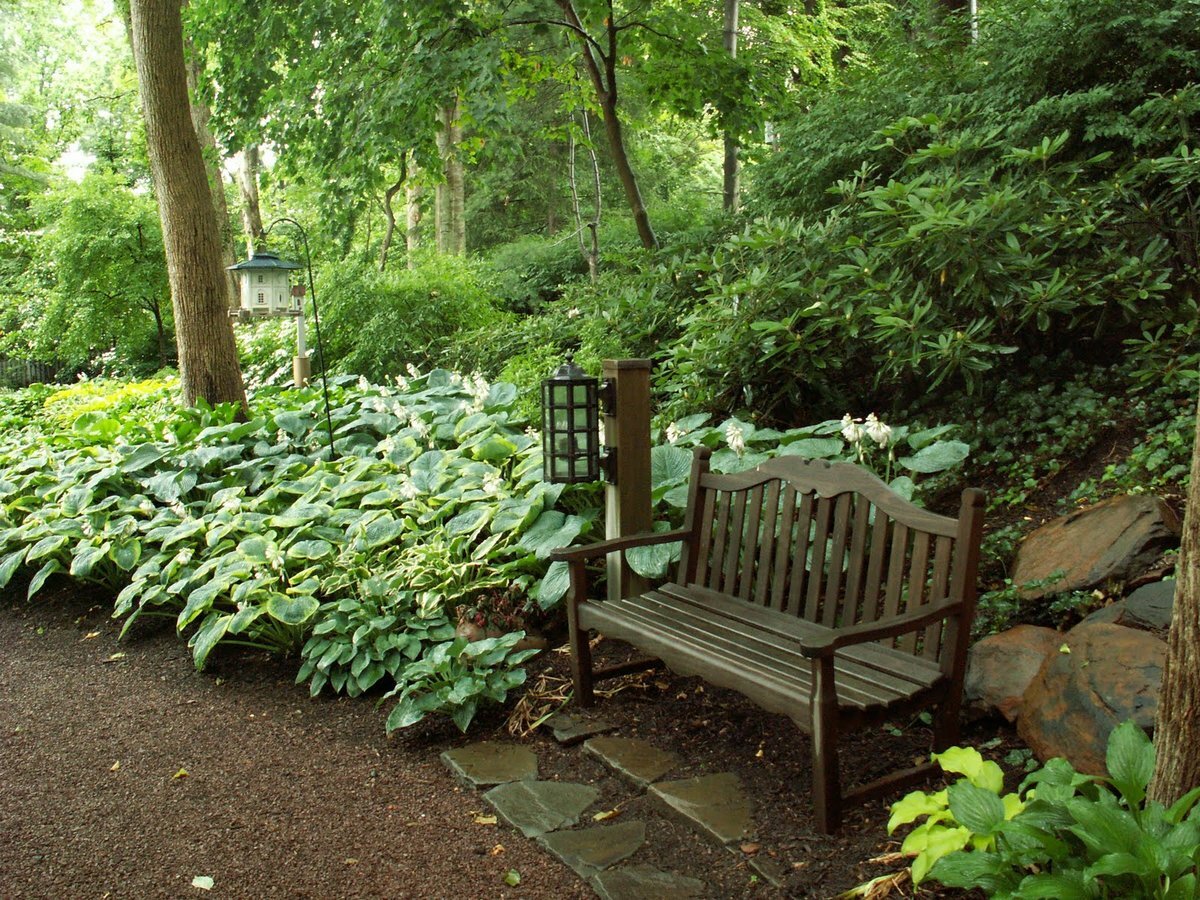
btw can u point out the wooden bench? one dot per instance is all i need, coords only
(812, 589)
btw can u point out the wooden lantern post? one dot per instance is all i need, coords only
(627, 493)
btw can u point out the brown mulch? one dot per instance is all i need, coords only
(293, 797)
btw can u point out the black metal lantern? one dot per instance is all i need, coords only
(570, 425)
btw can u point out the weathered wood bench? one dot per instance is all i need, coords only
(812, 589)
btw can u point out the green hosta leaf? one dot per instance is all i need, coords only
(45, 547)
(552, 530)
(1130, 761)
(938, 841)
(142, 457)
(207, 637)
(553, 587)
(293, 423)
(963, 869)
(463, 714)
(976, 808)
(922, 439)
(76, 501)
(182, 531)
(669, 466)
(86, 557)
(403, 714)
(969, 762)
(243, 618)
(310, 550)
(469, 521)
(914, 805)
(1185, 888)
(493, 449)
(126, 554)
(383, 530)
(170, 486)
(258, 550)
(40, 578)
(10, 564)
(1103, 825)
(814, 448)
(198, 602)
(500, 396)
(301, 514)
(515, 513)
(292, 610)
(1068, 885)
(936, 457)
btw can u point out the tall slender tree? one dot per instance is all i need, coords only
(208, 360)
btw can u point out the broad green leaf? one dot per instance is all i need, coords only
(383, 530)
(965, 869)
(936, 457)
(814, 448)
(914, 805)
(40, 578)
(310, 550)
(1130, 761)
(1068, 885)
(86, 557)
(209, 635)
(553, 587)
(292, 610)
(493, 449)
(515, 512)
(45, 547)
(11, 563)
(469, 521)
(977, 808)
(669, 466)
(552, 530)
(126, 555)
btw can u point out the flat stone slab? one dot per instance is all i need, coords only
(644, 883)
(570, 731)
(771, 870)
(535, 807)
(488, 763)
(639, 761)
(713, 805)
(590, 851)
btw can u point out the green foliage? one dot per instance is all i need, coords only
(375, 324)
(1070, 836)
(246, 533)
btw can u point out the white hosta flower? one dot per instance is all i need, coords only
(413, 371)
(363, 384)
(493, 483)
(852, 431)
(878, 432)
(418, 425)
(402, 382)
(735, 437)
(386, 446)
(573, 312)
(673, 433)
(408, 491)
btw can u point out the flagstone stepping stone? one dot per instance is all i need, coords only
(771, 870)
(570, 731)
(590, 851)
(639, 761)
(487, 763)
(644, 883)
(535, 807)
(713, 805)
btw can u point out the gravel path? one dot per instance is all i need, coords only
(282, 797)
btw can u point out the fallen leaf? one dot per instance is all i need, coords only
(115, 657)
(497, 850)
(220, 681)
(115, 766)
(485, 820)
(91, 634)
(182, 773)
(750, 848)
(1065, 648)
(351, 861)
(662, 685)
(607, 814)
(203, 882)
(512, 877)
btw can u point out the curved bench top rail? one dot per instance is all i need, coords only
(828, 480)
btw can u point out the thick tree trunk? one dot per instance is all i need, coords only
(412, 234)
(604, 82)
(457, 182)
(208, 361)
(449, 199)
(201, 115)
(1177, 727)
(729, 187)
(251, 209)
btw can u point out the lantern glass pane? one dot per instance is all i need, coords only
(561, 395)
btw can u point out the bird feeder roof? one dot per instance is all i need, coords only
(264, 261)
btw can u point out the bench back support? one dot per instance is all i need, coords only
(832, 544)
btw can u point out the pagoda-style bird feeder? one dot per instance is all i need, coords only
(265, 279)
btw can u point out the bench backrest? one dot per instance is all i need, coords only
(832, 544)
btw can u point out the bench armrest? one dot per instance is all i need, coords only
(603, 548)
(893, 626)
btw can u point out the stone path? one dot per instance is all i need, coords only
(605, 855)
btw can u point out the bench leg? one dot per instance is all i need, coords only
(581, 653)
(946, 725)
(827, 790)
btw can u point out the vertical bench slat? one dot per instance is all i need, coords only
(895, 573)
(733, 549)
(918, 573)
(751, 542)
(704, 542)
(879, 544)
(799, 557)
(719, 540)
(783, 547)
(816, 568)
(854, 565)
(766, 551)
(837, 563)
(943, 549)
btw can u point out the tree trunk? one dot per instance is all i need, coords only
(729, 187)
(604, 82)
(1177, 726)
(201, 115)
(412, 234)
(441, 193)
(251, 209)
(390, 215)
(449, 200)
(208, 362)
(457, 182)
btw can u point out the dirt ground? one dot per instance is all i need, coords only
(125, 773)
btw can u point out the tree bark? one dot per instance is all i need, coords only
(729, 186)
(389, 214)
(1177, 725)
(412, 235)
(603, 75)
(201, 115)
(252, 223)
(208, 362)
(449, 199)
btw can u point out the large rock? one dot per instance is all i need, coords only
(1105, 675)
(1148, 608)
(1110, 542)
(1001, 666)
